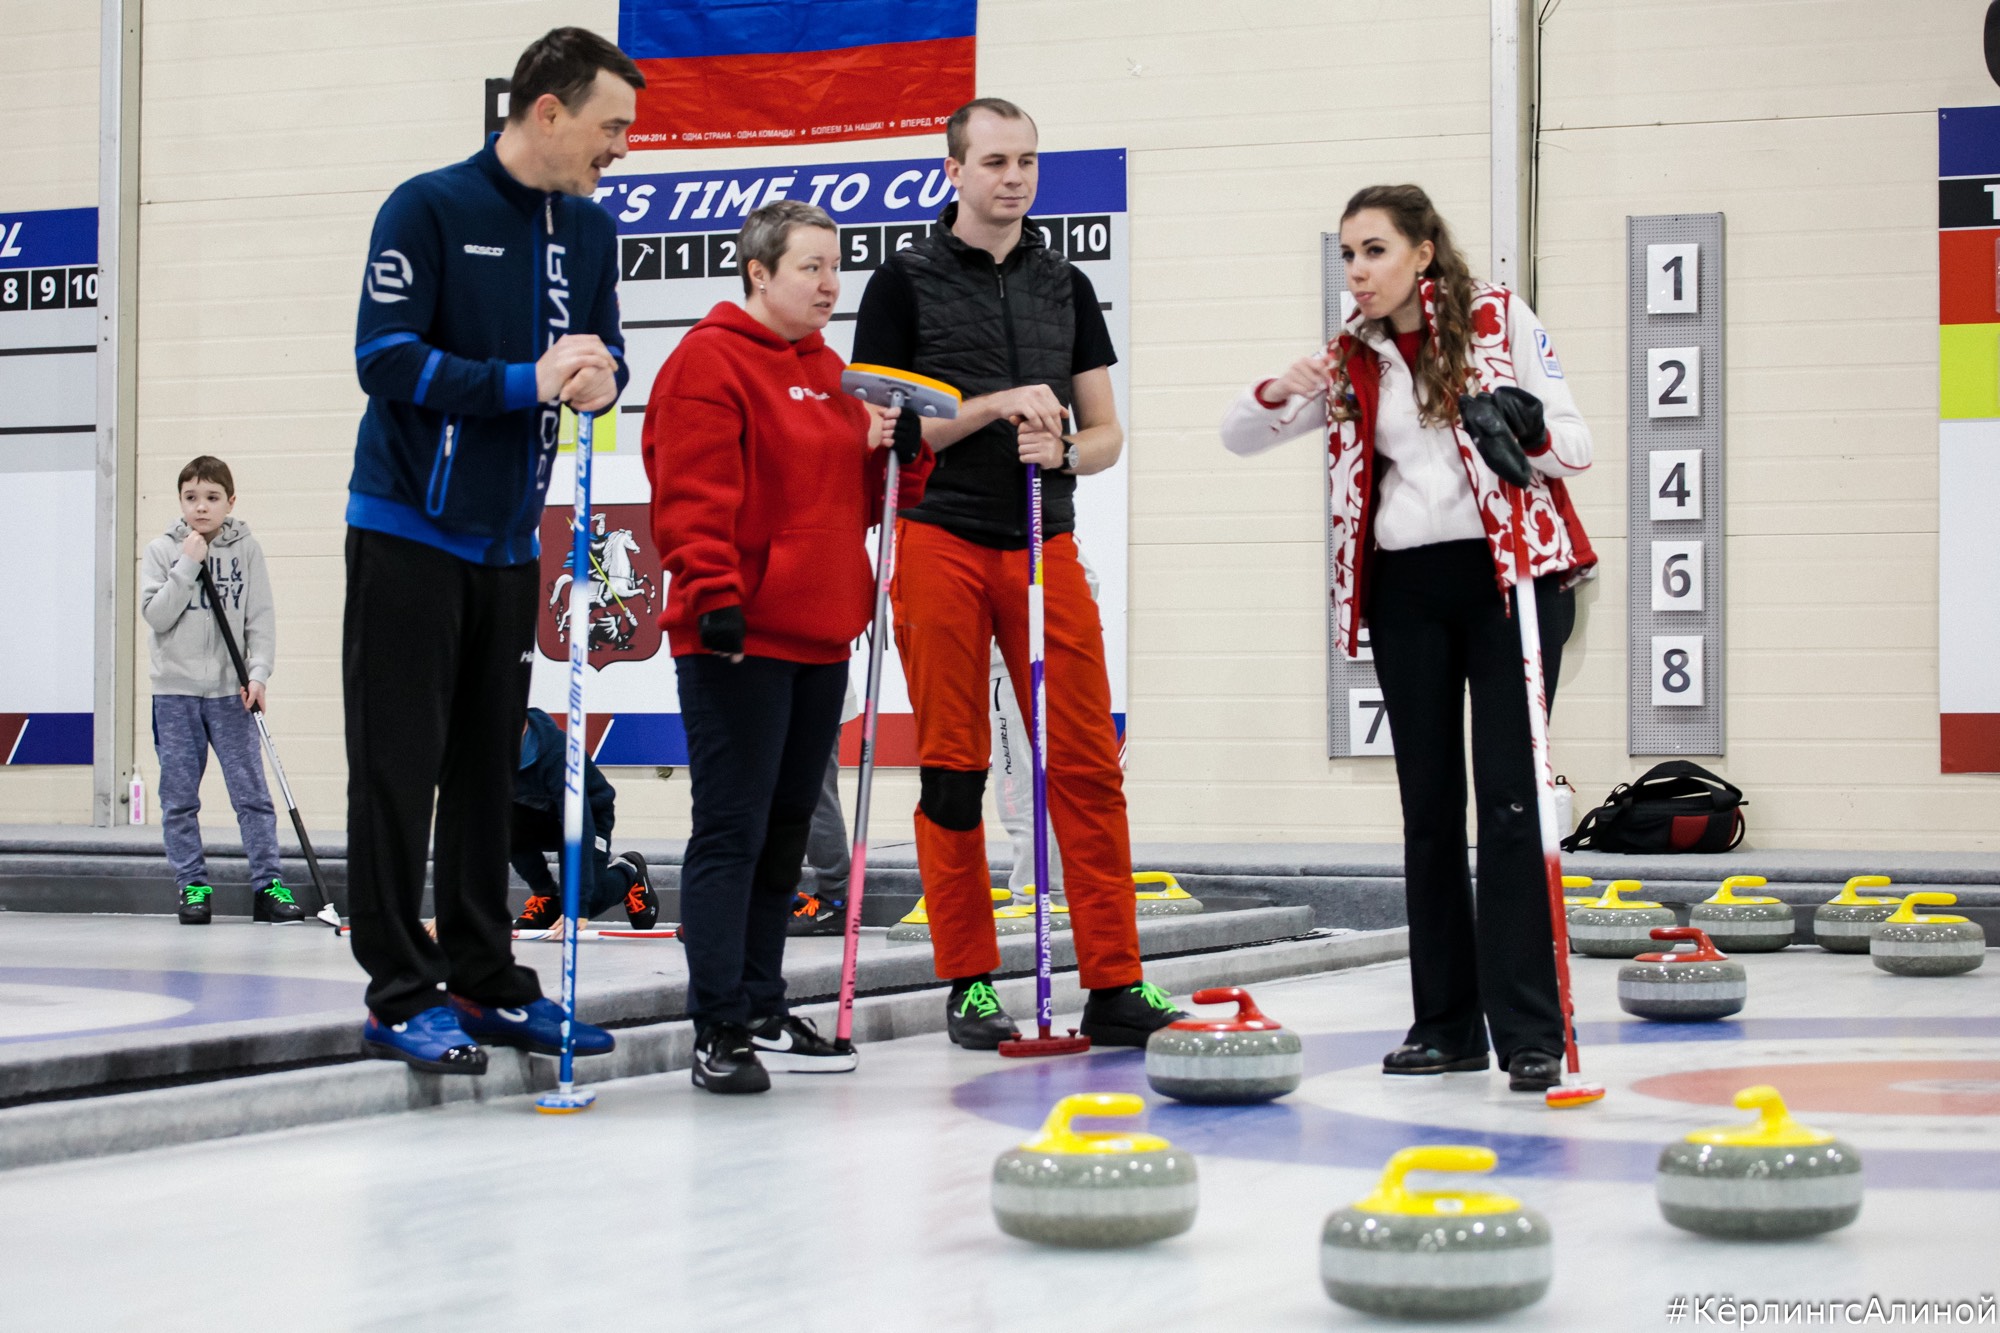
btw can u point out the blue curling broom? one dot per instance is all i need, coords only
(567, 1096)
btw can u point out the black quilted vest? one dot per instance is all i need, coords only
(983, 327)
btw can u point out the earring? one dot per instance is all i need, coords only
(760, 287)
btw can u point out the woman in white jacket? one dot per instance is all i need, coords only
(1438, 390)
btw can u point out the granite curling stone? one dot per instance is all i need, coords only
(1157, 893)
(1612, 927)
(1093, 1190)
(1912, 944)
(1772, 1180)
(1744, 925)
(1841, 923)
(1687, 987)
(1245, 1057)
(1443, 1255)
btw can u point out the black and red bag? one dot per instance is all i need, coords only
(1674, 807)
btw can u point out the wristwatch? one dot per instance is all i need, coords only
(1072, 456)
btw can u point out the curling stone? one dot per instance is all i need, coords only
(1744, 925)
(915, 928)
(1841, 923)
(1768, 1181)
(1577, 882)
(1911, 944)
(1156, 893)
(1094, 1191)
(1612, 927)
(1688, 987)
(1444, 1255)
(1245, 1057)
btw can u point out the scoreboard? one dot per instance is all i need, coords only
(48, 451)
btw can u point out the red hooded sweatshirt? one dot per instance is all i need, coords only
(764, 490)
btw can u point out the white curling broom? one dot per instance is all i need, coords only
(1527, 616)
(567, 1097)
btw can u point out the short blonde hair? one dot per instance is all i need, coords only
(767, 233)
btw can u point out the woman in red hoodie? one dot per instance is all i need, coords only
(766, 479)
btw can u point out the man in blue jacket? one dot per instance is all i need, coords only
(489, 301)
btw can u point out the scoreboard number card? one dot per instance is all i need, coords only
(1673, 484)
(1368, 722)
(1677, 576)
(1673, 382)
(1673, 279)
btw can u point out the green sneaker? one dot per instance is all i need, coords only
(274, 903)
(973, 1017)
(194, 910)
(1127, 1015)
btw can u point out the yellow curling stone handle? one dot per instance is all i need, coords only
(1577, 882)
(1848, 898)
(1392, 1195)
(1727, 893)
(1618, 886)
(1774, 1127)
(1058, 1137)
(1168, 885)
(1908, 913)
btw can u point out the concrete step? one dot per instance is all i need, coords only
(188, 1112)
(95, 1066)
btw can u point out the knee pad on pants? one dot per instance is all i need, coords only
(953, 798)
(783, 858)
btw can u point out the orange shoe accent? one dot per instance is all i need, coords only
(635, 900)
(808, 906)
(536, 903)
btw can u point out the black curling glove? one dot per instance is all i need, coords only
(907, 437)
(722, 630)
(1524, 413)
(1487, 423)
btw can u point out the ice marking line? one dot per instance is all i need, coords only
(1292, 1130)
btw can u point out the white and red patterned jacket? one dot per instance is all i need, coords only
(1509, 346)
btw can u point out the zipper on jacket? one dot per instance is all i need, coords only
(447, 450)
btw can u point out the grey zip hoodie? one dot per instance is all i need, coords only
(189, 656)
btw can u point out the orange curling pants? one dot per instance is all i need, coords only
(953, 599)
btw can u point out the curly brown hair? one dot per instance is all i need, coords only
(1445, 364)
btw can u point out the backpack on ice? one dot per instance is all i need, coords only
(1674, 807)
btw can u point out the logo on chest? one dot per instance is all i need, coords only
(801, 394)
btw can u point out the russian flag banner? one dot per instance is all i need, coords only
(733, 72)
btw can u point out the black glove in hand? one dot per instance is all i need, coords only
(1524, 413)
(907, 437)
(1487, 423)
(722, 631)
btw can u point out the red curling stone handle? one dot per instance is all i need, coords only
(1704, 950)
(1248, 1017)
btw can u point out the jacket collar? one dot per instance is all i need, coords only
(524, 197)
(733, 317)
(1031, 238)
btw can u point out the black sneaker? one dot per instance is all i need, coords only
(725, 1061)
(1126, 1015)
(542, 912)
(194, 910)
(1416, 1058)
(814, 915)
(274, 903)
(642, 905)
(1533, 1071)
(792, 1045)
(973, 1017)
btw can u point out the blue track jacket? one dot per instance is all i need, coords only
(471, 277)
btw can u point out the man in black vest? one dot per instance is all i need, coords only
(983, 305)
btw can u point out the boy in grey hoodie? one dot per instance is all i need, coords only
(198, 701)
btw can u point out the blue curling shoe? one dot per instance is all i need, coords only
(432, 1041)
(536, 1028)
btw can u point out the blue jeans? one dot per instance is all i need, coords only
(184, 729)
(758, 735)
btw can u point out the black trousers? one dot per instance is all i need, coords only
(1439, 626)
(758, 733)
(537, 831)
(434, 671)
